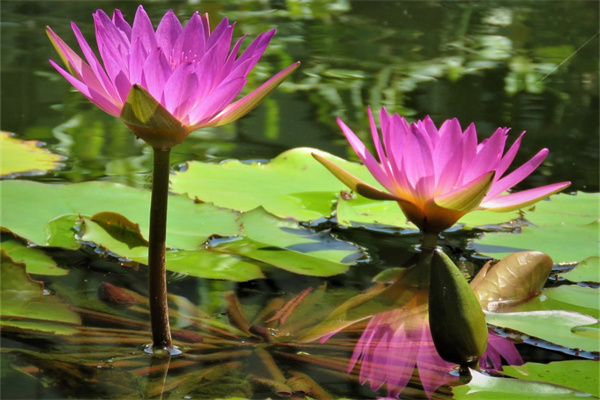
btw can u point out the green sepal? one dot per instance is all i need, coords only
(150, 121)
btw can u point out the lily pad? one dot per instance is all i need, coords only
(577, 374)
(565, 228)
(202, 263)
(484, 387)
(25, 307)
(25, 157)
(555, 326)
(292, 185)
(188, 226)
(586, 271)
(37, 262)
(288, 246)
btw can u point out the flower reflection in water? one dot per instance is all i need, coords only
(395, 342)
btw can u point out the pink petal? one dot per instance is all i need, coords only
(113, 46)
(96, 97)
(142, 30)
(100, 75)
(366, 157)
(216, 101)
(508, 157)
(514, 201)
(137, 60)
(241, 107)
(156, 72)
(190, 44)
(167, 32)
(517, 175)
(488, 156)
(180, 90)
(121, 24)
(448, 156)
(256, 49)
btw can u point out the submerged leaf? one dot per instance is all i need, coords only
(36, 261)
(23, 303)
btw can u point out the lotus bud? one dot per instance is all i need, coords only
(457, 322)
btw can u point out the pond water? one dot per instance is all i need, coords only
(528, 65)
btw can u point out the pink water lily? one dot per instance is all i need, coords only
(167, 82)
(439, 175)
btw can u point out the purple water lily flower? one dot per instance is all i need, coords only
(439, 175)
(167, 82)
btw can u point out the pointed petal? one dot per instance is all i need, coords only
(354, 183)
(216, 101)
(467, 197)
(179, 93)
(150, 121)
(169, 29)
(121, 24)
(143, 30)
(95, 97)
(515, 201)
(156, 73)
(517, 175)
(243, 106)
(508, 157)
(488, 155)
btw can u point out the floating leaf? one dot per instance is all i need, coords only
(292, 185)
(36, 261)
(362, 212)
(577, 374)
(565, 227)
(586, 271)
(484, 387)
(201, 262)
(288, 246)
(575, 298)
(513, 280)
(24, 306)
(555, 326)
(188, 225)
(120, 228)
(25, 157)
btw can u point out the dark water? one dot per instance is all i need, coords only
(529, 65)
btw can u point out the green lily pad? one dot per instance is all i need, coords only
(25, 157)
(286, 245)
(586, 271)
(576, 298)
(202, 263)
(188, 226)
(25, 307)
(577, 374)
(565, 228)
(362, 212)
(36, 261)
(556, 326)
(483, 387)
(266, 239)
(292, 185)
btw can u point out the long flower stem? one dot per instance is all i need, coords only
(157, 273)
